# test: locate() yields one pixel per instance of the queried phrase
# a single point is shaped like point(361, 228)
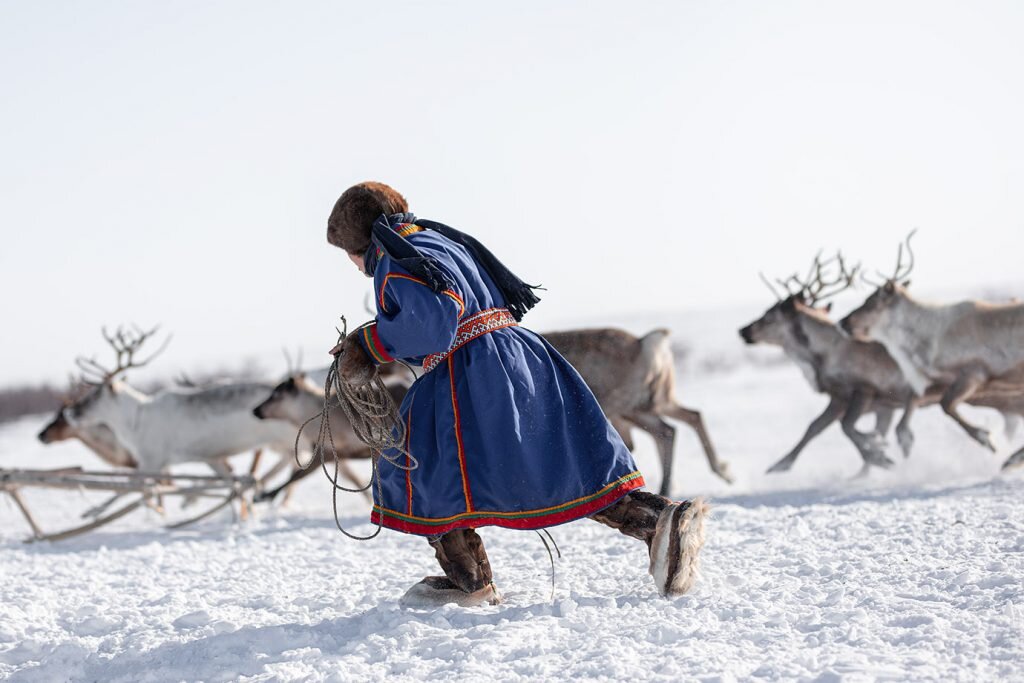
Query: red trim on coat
point(458, 439)
point(527, 523)
point(451, 294)
point(379, 345)
point(408, 459)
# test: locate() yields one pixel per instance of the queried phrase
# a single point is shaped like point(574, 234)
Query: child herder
point(504, 430)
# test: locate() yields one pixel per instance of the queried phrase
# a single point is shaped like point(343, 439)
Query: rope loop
point(373, 414)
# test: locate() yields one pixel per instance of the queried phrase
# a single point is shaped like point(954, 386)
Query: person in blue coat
point(500, 430)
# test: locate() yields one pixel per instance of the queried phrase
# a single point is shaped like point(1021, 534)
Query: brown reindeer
point(297, 399)
point(633, 378)
point(858, 377)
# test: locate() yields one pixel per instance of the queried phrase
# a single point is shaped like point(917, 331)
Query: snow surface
point(911, 574)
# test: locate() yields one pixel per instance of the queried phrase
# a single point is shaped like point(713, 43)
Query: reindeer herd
point(892, 354)
point(895, 352)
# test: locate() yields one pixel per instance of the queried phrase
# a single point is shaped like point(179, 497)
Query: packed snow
point(809, 575)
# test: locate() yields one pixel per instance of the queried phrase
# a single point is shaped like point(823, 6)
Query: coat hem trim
point(528, 519)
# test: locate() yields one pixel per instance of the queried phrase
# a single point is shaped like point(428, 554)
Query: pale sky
point(175, 162)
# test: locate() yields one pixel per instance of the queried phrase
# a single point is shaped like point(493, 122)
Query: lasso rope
point(550, 556)
point(374, 418)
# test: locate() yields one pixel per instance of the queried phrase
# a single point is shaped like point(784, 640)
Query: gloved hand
point(356, 367)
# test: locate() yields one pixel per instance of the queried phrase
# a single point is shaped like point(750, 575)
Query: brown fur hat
point(359, 206)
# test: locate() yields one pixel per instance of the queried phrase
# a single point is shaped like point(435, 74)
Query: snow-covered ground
point(907, 575)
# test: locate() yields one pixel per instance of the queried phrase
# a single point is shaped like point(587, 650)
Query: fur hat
point(351, 221)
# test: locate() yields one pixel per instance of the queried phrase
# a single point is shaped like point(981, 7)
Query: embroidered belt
point(476, 325)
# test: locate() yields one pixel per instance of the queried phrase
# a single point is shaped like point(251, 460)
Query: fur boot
point(635, 514)
point(468, 578)
point(675, 549)
point(673, 532)
point(435, 591)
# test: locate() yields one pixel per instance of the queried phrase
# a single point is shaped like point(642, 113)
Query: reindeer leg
point(904, 436)
point(350, 474)
point(695, 421)
point(665, 439)
point(223, 468)
point(156, 503)
point(287, 496)
point(832, 412)
point(865, 470)
point(257, 455)
point(299, 474)
point(870, 452)
point(962, 389)
point(1015, 460)
point(1011, 426)
point(296, 476)
point(622, 427)
point(281, 463)
point(883, 421)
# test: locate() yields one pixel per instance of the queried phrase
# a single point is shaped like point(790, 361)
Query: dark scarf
point(519, 296)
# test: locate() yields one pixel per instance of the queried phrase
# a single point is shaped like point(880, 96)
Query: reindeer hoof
point(984, 437)
point(781, 466)
point(724, 474)
point(879, 459)
point(1014, 461)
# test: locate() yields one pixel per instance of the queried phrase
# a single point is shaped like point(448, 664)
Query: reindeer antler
point(902, 271)
point(76, 389)
point(820, 283)
point(293, 366)
point(769, 285)
point(126, 344)
point(821, 287)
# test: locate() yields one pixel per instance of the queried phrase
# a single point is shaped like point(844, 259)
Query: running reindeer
point(174, 426)
point(633, 378)
point(858, 377)
point(969, 349)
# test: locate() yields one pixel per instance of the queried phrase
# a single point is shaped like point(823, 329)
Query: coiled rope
point(374, 418)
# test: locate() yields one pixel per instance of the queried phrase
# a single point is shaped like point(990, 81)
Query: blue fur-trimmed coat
point(505, 431)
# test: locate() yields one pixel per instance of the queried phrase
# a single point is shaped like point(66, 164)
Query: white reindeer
point(176, 426)
point(99, 439)
point(967, 347)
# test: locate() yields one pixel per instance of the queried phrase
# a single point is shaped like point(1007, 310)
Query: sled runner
point(144, 489)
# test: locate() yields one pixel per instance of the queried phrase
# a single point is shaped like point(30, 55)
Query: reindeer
point(174, 426)
point(963, 347)
point(299, 398)
point(859, 377)
point(633, 378)
point(99, 439)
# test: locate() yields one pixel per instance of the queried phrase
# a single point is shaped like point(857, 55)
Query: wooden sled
point(149, 487)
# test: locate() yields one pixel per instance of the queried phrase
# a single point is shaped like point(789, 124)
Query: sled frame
point(145, 489)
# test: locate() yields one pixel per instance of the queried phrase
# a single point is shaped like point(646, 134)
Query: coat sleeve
point(412, 320)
